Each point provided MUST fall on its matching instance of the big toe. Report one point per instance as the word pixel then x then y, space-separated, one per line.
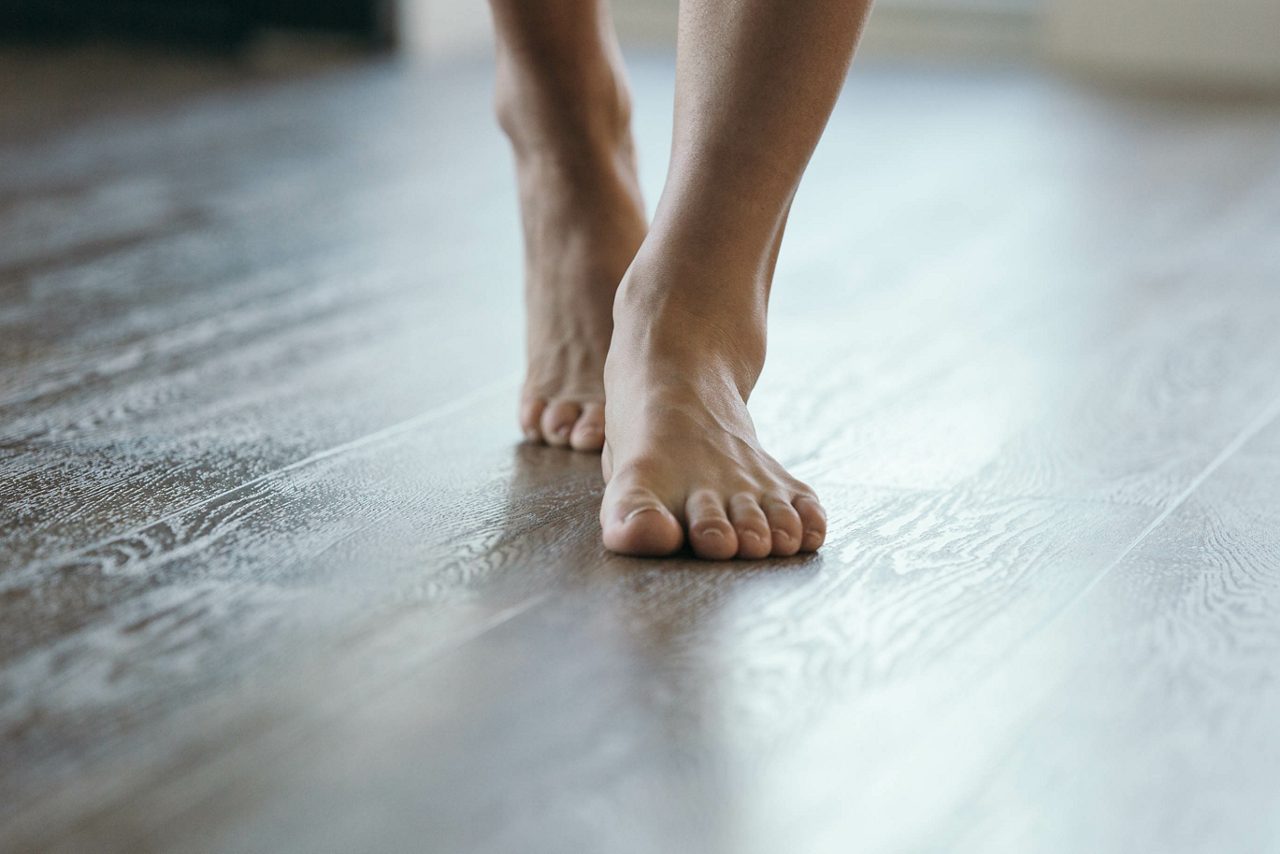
pixel 635 522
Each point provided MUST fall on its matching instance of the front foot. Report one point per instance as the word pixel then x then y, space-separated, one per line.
pixel 681 459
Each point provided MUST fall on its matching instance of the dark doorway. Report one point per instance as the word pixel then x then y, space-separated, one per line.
pixel 216 23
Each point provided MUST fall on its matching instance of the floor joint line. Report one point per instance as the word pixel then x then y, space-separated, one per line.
pixel 399 428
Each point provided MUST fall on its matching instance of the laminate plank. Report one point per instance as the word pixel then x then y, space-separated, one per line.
pixel 842 635
pixel 47 88
pixel 208 324
pixel 156 386
pixel 728 668
pixel 1143 718
pixel 379 634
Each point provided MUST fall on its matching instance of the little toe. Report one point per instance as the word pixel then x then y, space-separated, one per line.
pixel 784 525
pixel 531 409
pixel 558 420
pixel 751 526
pixel 588 432
pixel 814 521
pixel 710 534
pixel 635 522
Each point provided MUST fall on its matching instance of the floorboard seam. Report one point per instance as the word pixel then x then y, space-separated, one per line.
pixel 52 808
pixel 1253 428
pixel 964 697
pixel 408 425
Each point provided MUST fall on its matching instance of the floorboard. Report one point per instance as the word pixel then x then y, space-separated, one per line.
pixel 275 574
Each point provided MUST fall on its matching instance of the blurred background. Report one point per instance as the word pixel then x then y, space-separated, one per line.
pixel 1185 43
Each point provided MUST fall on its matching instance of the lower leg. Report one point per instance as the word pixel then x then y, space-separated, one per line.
pixel 562 100
pixel 756 81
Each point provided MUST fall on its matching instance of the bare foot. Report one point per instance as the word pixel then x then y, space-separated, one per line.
pixel 681 461
pixel 583 220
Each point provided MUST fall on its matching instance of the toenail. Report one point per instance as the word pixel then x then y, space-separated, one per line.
pixel 812 538
pixel 634 513
pixel 779 534
pixel 711 532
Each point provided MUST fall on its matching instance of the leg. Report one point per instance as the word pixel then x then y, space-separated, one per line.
pixel 563 102
pixel 755 83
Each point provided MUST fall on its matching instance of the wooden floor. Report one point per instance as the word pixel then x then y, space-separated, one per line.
pixel 276 575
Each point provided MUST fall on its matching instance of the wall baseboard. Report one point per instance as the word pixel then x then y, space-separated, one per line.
pixel 1179 42
pixel 1182 42
pixel 995 30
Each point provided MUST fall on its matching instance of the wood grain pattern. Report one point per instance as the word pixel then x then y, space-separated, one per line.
pixel 275 577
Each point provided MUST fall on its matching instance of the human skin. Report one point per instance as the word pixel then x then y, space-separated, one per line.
pixel 755 83
pixel 562 100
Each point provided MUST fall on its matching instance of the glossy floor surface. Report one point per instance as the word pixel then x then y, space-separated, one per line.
pixel 276 574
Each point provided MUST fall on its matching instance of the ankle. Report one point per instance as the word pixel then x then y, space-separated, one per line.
pixel 566 115
pixel 695 316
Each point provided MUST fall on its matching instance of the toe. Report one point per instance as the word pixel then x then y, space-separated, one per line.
pixel 531 418
pixel 814 521
pixel 635 522
pixel 558 420
pixel 710 534
pixel 588 432
pixel 784 524
pixel 751 526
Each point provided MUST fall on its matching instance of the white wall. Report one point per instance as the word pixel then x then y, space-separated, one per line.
pixel 442 29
